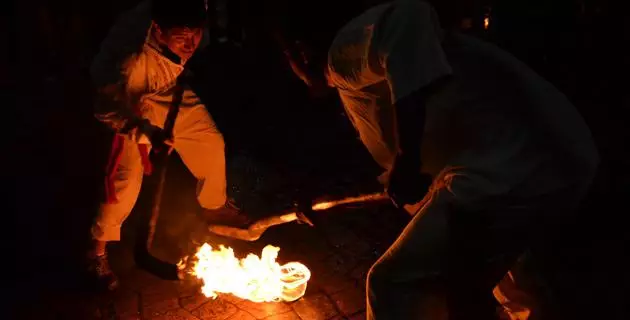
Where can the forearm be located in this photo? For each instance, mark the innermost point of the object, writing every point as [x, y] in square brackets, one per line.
[118, 123]
[112, 107]
[410, 120]
[411, 117]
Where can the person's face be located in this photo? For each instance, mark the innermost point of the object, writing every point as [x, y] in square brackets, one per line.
[181, 41]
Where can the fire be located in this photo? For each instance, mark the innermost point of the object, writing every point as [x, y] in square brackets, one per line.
[323, 205]
[259, 279]
[350, 200]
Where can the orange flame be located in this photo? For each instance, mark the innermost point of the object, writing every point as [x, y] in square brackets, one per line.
[259, 279]
[323, 205]
[350, 200]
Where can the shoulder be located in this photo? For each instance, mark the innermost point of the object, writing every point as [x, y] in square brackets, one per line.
[349, 55]
[358, 28]
[353, 60]
[123, 45]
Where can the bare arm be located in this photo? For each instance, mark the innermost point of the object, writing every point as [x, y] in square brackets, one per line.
[411, 117]
[415, 67]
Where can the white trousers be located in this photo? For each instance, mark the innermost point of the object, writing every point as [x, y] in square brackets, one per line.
[198, 142]
[404, 283]
[447, 260]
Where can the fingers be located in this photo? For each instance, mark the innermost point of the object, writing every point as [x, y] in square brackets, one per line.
[169, 144]
[162, 146]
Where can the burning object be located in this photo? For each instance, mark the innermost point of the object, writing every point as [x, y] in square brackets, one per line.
[258, 279]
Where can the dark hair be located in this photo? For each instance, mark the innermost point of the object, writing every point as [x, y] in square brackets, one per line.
[179, 13]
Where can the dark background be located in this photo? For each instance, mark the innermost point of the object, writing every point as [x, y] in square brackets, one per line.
[56, 150]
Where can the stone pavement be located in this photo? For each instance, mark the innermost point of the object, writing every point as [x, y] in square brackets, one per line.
[339, 252]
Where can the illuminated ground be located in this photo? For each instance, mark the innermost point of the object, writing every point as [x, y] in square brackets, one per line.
[339, 253]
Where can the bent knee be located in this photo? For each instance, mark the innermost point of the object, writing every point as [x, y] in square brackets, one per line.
[395, 295]
[378, 277]
[216, 140]
[207, 140]
[384, 274]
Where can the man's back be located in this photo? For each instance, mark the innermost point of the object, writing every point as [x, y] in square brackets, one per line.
[495, 116]
[518, 124]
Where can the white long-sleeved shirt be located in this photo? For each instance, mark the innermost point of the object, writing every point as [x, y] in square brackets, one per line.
[496, 117]
[130, 71]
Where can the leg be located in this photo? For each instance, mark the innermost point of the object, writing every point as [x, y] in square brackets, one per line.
[482, 250]
[449, 257]
[407, 281]
[201, 147]
[128, 179]
[490, 239]
[514, 294]
[527, 291]
[106, 227]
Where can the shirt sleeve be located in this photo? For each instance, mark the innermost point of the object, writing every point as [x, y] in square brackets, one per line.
[120, 56]
[410, 48]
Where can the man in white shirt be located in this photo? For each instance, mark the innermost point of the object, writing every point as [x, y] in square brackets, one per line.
[508, 155]
[136, 75]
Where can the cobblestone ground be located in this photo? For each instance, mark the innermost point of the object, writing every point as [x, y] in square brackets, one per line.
[338, 251]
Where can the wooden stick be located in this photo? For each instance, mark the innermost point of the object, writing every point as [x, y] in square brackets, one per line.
[255, 230]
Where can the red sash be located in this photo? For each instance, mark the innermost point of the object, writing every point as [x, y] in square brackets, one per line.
[113, 161]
